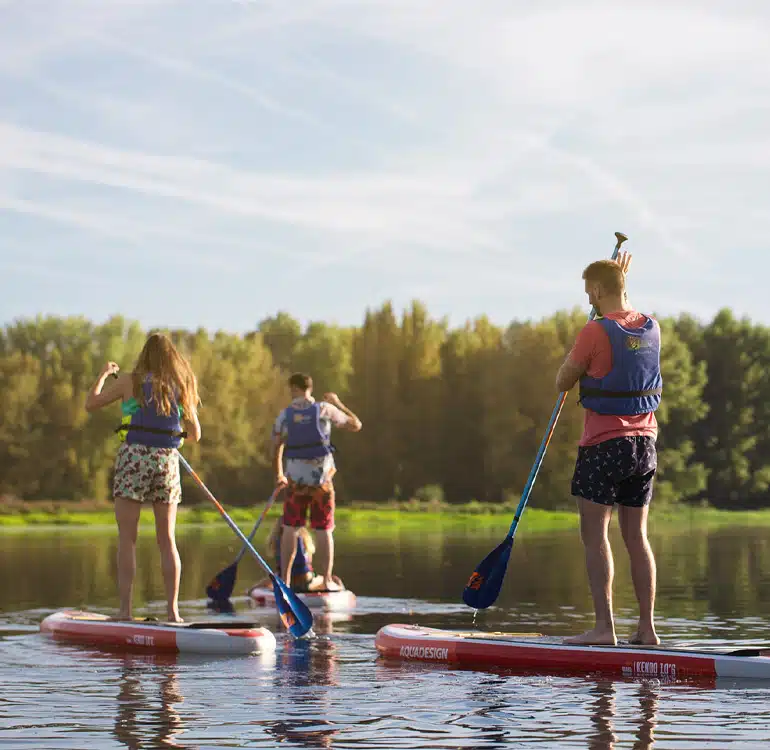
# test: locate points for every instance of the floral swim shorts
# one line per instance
(320, 501)
(146, 473)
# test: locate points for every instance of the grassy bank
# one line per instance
(373, 517)
(363, 517)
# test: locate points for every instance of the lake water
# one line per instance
(334, 692)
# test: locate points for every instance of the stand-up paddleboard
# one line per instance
(532, 652)
(330, 601)
(215, 637)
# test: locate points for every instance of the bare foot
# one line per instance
(594, 637)
(174, 617)
(644, 637)
(331, 585)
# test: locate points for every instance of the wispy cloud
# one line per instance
(474, 152)
(355, 203)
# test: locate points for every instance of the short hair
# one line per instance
(608, 273)
(301, 381)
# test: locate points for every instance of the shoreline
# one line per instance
(373, 517)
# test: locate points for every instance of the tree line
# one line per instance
(456, 413)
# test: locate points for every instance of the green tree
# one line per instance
(370, 459)
(326, 353)
(679, 475)
(419, 404)
(726, 437)
(468, 358)
(281, 334)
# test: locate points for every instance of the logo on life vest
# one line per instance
(475, 581)
(300, 418)
(633, 343)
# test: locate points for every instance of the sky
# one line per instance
(207, 163)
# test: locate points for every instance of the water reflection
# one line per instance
(146, 714)
(616, 712)
(225, 607)
(724, 572)
(649, 698)
(603, 708)
(307, 667)
(333, 692)
(604, 711)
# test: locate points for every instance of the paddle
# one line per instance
(222, 584)
(484, 585)
(294, 614)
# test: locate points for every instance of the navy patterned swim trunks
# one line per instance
(620, 470)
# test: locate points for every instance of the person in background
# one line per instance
(303, 579)
(159, 401)
(302, 435)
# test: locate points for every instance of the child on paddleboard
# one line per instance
(303, 579)
(159, 401)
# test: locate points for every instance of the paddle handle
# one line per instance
(258, 524)
(223, 513)
(551, 425)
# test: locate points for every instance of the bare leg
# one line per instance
(171, 565)
(288, 551)
(127, 515)
(594, 523)
(633, 526)
(325, 543)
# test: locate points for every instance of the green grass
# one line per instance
(375, 519)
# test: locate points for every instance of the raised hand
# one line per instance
(624, 260)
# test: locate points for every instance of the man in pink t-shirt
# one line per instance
(616, 358)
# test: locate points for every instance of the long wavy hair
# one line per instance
(275, 538)
(172, 378)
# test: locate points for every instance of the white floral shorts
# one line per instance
(146, 473)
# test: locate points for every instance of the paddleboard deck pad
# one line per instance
(534, 653)
(330, 601)
(215, 637)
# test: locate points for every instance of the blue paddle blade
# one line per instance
(221, 587)
(225, 606)
(294, 614)
(485, 582)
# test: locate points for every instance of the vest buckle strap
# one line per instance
(154, 430)
(620, 394)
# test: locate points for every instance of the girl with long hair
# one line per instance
(159, 401)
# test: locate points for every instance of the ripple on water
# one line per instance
(333, 692)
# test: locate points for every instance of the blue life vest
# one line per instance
(301, 566)
(634, 384)
(305, 438)
(148, 427)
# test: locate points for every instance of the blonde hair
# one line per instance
(607, 273)
(275, 536)
(307, 540)
(171, 376)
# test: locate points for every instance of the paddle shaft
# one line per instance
(256, 526)
(551, 426)
(224, 515)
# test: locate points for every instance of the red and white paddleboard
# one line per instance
(216, 637)
(330, 601)
(538, 654)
